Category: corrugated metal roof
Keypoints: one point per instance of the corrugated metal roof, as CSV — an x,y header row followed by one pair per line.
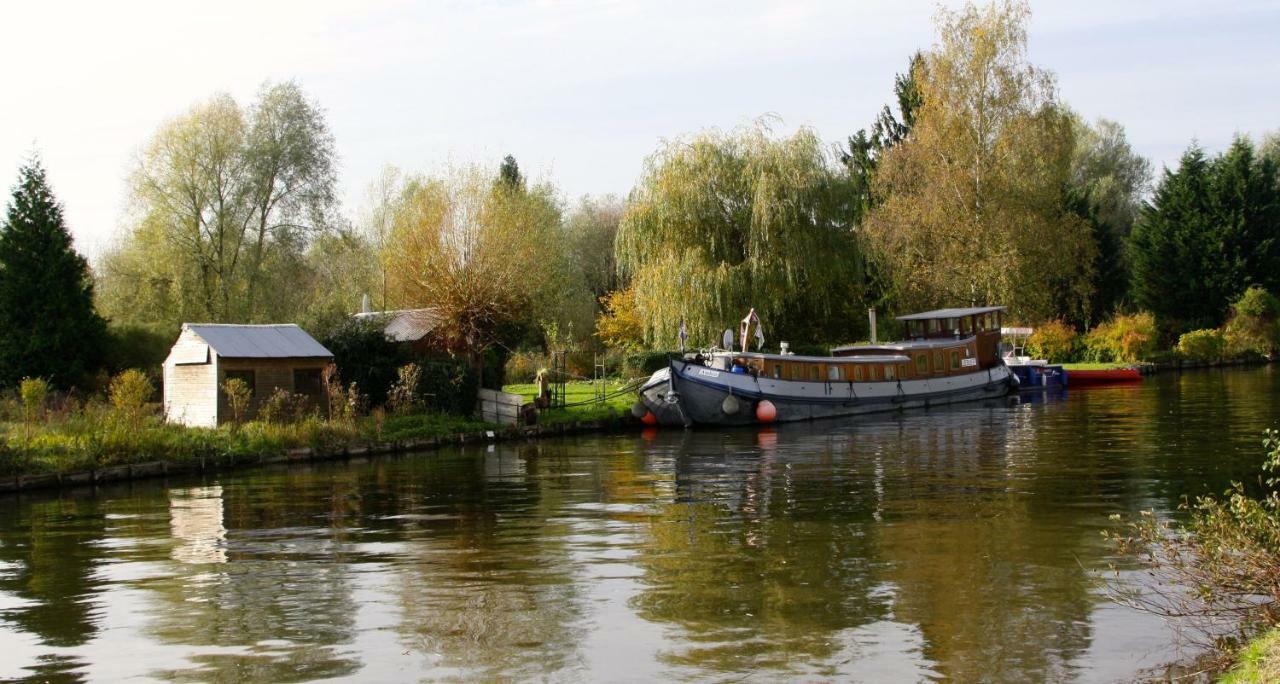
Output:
x,y
259,341
407,325
950,313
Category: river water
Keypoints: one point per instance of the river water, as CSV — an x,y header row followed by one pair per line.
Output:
x,y
959,543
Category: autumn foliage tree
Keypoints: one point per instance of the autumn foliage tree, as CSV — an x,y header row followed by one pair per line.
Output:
x,y
971,208
487,256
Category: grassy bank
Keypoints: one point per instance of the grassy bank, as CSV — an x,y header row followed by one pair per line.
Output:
x,y
74,438
98,439
1257,663
580,401
1110,365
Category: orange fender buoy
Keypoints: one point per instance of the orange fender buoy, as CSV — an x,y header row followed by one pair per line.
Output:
x,y
649,418
766,412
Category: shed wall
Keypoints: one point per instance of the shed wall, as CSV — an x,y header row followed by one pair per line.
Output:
x,y
190,390
269,375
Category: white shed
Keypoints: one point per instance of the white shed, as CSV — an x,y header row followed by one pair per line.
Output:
x,y
266,357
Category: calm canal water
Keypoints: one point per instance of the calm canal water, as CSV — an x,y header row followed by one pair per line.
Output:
x,y
955,543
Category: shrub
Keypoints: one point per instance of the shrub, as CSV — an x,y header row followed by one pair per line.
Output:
x,y
642,364
34,393
1126,337
365,356
1053,340
1254,325
1202,345
620,326
137,346
522,367
283,407
346,403
129,393
449,385
238,396
404,396
1227,554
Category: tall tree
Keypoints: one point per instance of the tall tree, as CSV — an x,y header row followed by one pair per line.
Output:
x,y
1246,206
1176,252
509,174
720,223
864,149
227,201
1106,189
487,258
970,206
591,228
1211,230
48,326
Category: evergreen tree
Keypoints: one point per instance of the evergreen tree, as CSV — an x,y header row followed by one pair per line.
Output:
x,y
1175,251
48,326
1247,213
509,174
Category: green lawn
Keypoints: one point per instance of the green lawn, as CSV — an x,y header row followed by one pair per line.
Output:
x,y
580,400
1259,662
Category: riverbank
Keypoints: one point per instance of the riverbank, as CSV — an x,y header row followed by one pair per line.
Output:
x,y
1258,662
93,444
213,460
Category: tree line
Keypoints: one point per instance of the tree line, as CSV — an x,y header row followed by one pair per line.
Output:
x,y
976,185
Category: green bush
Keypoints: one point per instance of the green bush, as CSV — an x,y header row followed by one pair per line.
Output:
x,y
1254,325
1053,340
137,346
642,364
1126,337
1202,345
365,356
449,385
129,393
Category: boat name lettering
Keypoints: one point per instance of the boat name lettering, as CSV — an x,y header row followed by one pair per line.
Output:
x,y
968,362
708,373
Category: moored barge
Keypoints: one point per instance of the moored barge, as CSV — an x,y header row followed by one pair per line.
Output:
x,y
951,355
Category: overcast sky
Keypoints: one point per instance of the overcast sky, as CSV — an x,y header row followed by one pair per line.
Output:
x,y
579,92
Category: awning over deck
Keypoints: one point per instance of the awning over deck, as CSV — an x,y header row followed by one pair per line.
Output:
x,y
951,313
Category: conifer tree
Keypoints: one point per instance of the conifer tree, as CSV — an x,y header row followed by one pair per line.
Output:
x,y
48,326
1175,251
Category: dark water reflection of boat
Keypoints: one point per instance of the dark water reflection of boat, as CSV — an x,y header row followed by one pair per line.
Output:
x,y
957,543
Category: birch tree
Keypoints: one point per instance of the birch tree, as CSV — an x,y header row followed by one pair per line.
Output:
x,y
972,208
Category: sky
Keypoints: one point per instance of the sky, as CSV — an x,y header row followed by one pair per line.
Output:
x,y
580,92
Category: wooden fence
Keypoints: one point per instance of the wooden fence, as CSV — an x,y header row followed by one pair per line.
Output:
x,y
502,408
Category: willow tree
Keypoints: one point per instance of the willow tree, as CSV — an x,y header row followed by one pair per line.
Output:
x,y
488,257
723,222
972,205
227,200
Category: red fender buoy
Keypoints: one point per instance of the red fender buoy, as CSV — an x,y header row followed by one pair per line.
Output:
x,y
649,418
766,412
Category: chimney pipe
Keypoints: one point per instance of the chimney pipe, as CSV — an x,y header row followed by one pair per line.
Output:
x,y
871,314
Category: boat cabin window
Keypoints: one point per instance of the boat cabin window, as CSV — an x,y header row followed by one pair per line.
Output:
x,y
955,360
937,362
833,373
814,372
922,364
857,373
777,371
888,373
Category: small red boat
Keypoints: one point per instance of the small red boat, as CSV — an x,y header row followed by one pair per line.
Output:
x,y
1077,378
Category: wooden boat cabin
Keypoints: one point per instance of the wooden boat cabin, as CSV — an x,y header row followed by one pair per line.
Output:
x,y
940,343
